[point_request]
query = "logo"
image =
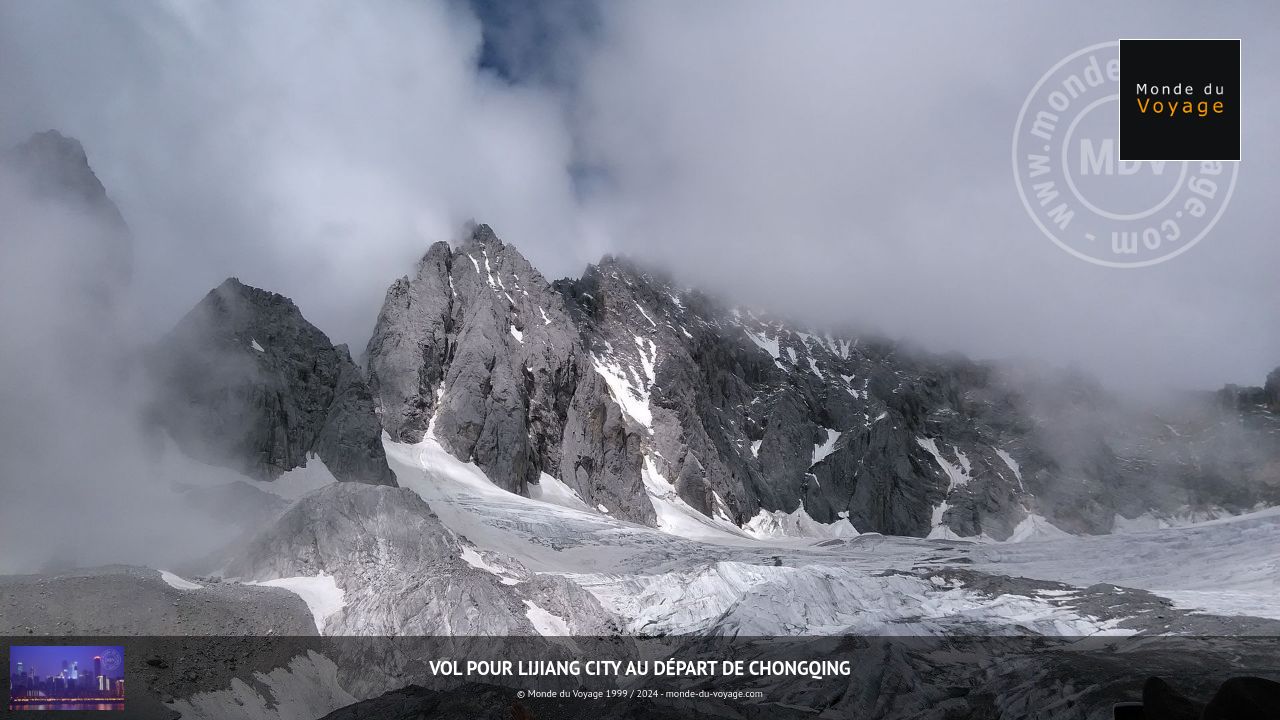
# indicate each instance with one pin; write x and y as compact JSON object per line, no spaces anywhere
{"x":1180,"y":99}
{"x":112,"y":659}
{"x":1107,"y":211}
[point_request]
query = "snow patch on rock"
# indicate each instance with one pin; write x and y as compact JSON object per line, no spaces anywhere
{"x":1036,"y":528}
{"x":176,"y":582}
{"x":321,"y":594}
{"x":646,"y":315}
{"x":1013,"y":465}
{"x":957,"y":476}
{"x":547,"y":624}
{"x":768,"y":345}
{"x":631,"y":396}
{"x":798,"y":523}
{"x":551,"y":490}
{"x":677,"y":517}
{"x":826,"y":448}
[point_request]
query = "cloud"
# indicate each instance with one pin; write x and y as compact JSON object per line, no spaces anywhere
{"x":850,"y":162}
{"x":315,"y":149}
{"x":78,"y":482}
{"x":836,"y":162}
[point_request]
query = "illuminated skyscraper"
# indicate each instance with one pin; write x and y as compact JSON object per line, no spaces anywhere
{"x":97,"y":664}
{"x":75,"y":669}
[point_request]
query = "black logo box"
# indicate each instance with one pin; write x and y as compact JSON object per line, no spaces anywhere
{"x":1187,"y":67}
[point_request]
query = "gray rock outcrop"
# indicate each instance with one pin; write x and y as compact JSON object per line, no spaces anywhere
{"x":479,"y":347}
{"x":402,"y":572}
{"x":244,"y":381}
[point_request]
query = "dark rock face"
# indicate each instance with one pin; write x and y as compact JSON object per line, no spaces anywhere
{"x":244,"y":381}
{"x":604,"y":452}
{"x":630,"y":389}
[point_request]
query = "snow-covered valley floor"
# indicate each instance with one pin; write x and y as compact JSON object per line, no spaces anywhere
{"x":522,"y":573}
{"x":728,"y":582}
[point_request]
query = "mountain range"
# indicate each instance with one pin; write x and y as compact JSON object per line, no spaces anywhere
{"x":649,"y":399}
{"x":653,"y":402}
{"x":617,"y":455}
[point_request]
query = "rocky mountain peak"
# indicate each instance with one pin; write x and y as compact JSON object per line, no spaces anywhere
{"x":237,"y":305}
{"x":480,"y":235}
{"x":54,"y":163}
{"x":54,"y":168}
{"x":245,"y":381}
{"x":480,"y":352}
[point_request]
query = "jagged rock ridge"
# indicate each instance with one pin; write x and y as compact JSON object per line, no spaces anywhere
{"x":644,"y":397}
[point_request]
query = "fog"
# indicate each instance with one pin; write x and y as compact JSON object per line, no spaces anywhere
{"x":76,"y":466}
{"x":841,"y":163}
